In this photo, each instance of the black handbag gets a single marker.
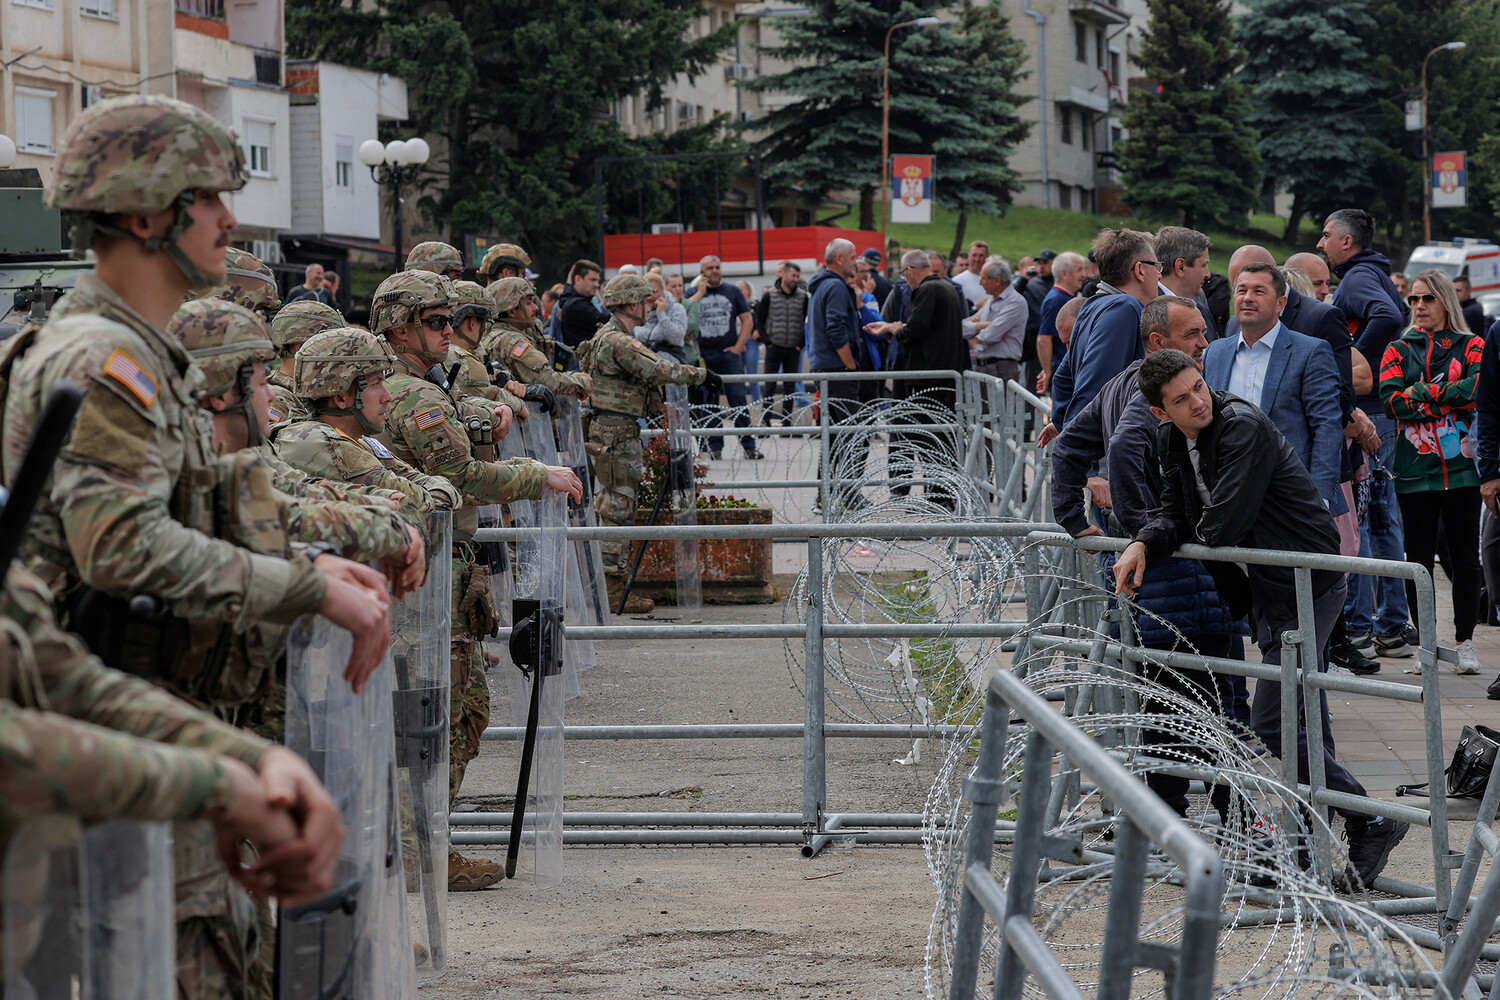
(1473, 760)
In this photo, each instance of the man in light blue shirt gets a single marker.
(1252, 355)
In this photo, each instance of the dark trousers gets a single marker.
(726, 363)
(850, 454)
(783, 361)
(1456, 513)
(908, 447)
(1265, 711)
(1214, 693)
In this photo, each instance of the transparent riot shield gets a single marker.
(537, 646)
(88, 912)
(353, 941)
(419, 709)
(680, 450)
(568, 425)
(541, 444)
(496, 555)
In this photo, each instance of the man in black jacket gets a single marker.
(1230, 479)
(577, 317)
(781, 318)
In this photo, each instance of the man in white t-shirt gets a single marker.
(968, 279)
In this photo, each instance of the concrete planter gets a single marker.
(735, 570)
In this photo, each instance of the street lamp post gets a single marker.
(391, 165)
(1426, 156)
(885, 125)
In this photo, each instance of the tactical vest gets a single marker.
(615, 389)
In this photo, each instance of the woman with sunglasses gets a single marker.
(1429, 378)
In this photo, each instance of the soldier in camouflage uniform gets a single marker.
(136, 502)
(503, 260)
(424, 428)
(627, 386)
(248, 281)
(438, 258)
(516, 341)
(293, 325)
(473, 312)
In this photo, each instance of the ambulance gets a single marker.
(1464, 256)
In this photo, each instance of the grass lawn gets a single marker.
(1024, 231)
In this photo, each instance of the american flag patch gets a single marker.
(123, 369)
(276, 415)
(519, 349)
(429, 418)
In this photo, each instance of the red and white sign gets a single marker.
(911, 189)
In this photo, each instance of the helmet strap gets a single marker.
(246, 407)
(357, 411)
(199, 279)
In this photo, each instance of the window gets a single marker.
(1080, 42)
(34, 119)
(1114, 69)
(258, 146)
(1084, 128)
(343, 162)
(39, 4)
(98, 8)
(1065, 120)
(1099, 47)
(1065, 197)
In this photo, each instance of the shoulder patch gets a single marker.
(520, 349)
(380, 450)
(638, 344)
(125, 370)
(276, 415)
(428, 418)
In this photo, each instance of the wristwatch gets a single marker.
(316, 549)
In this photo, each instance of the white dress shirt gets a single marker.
(1247, 369)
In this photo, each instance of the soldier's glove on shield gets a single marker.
(711, 380)
(541, 396)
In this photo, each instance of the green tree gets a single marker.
(1313, 101)
(522, 95)
(952, 94)
(1190, 153)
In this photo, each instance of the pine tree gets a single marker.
(952, 94)
(1189, 153)
(521, 92)
(1314, 101)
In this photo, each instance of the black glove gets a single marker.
(711, 380)
(542, 396)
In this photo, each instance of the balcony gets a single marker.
(211, 9)
(1101, 12)
(268, 67)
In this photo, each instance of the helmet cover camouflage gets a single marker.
(509, 293)
(296, 321)
(503, 255)
(435, 256)
(472, 300)
(221, 336)
(135, 155)
(626, 290)
(250, 283)
(401, 298)
(330, 361)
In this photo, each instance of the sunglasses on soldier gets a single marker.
(436, 323)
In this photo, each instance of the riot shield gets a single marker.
(353, 941)
(419, 709)
(568, 425)
(88, 913)
(537, 646)
(680, 450)
(496, 556)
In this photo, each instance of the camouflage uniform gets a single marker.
(627, 377)
(520, 347)
(423, 428)
(137, 498)
(250, 283)
(294, 323)
(502, 255)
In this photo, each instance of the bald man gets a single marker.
(1316, 269)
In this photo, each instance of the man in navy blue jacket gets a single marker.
(1106, 337)
(1372, 308)
(1487, 454)
(835, 345)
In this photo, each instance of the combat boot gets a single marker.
(468, 874)
(634, 605)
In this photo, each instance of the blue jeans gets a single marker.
(726, 363)
(1380, 538)
(752, 366)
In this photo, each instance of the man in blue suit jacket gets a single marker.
(1290, 376)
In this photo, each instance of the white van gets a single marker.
(1464, 256)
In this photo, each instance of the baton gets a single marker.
(635, 563)
(46, 442)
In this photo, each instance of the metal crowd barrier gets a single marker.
(815, 826)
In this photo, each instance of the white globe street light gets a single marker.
(7, 151)
(391, 165)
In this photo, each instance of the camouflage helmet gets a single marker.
(509, 293)
(250, 283)
(225, 339)
(296, 321)
(472, 300)
(134, 155)
(503, 255)
(627, 290)
(401, 298)
(434, 256)
(329, 362)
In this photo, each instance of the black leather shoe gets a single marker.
(1371, 844)
(1352, 660)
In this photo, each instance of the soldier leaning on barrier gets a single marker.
(473, 312)
(517, 342)
(133, 507)
(627, 386)
(293, 325)
(425, 428)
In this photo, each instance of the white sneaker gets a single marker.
(1468, 659)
